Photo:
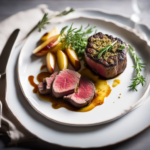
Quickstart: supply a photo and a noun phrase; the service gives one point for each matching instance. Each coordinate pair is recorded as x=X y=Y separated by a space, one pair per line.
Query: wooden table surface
x=122 y=7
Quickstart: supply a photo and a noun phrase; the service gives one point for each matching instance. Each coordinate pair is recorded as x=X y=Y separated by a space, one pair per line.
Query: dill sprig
x=106 y=49
x=138 y=79
x=76 y=38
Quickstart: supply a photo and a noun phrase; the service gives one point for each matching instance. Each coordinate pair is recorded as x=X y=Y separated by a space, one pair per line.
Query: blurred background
x=140 y=8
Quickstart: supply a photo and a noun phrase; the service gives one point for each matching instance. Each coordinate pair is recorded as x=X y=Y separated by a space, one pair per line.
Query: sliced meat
x=110 y=66
x=65 y=83
x=45 y=87
x=42 y=88
x=49 y=81
x=84 y=95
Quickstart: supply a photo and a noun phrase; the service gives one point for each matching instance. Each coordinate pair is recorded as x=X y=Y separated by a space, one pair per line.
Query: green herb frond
x=138 y=79
x=43 y=22
x=76 y=38
x=106 y=49
x=65 y=12
x=122 y=46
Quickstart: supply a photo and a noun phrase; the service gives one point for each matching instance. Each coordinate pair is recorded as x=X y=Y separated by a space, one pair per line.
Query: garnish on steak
x=106 y=55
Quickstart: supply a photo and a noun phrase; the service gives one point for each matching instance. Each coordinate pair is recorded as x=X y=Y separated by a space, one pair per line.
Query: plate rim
x=89 y=124
x=109 y=13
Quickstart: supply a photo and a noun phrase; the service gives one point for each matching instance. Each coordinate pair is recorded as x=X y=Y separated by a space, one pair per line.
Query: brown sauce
x=42 y=75
x=43 y=67
x=57 y=102
x=31 y=80
x=102 y=90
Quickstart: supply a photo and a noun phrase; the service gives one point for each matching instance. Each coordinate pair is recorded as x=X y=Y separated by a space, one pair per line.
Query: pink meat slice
x=84 y=94
x=45 y=87
x=65 y=83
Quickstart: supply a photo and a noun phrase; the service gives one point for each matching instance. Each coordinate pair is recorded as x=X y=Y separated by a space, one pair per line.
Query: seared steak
x=83 y=95
x=65 y=83
x=110 y=64
x=45 y=87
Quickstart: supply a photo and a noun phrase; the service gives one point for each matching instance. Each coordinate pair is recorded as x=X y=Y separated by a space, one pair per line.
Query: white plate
x=114 y=132
x=69 y=136
x=113 y=107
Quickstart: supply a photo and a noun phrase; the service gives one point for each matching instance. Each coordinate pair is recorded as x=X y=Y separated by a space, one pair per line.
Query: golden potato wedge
x=56 y=48
x=59 y=46
x=46 y=46
x=62 y=60
x=46 y=36
x=50 y=62
x=73 y=58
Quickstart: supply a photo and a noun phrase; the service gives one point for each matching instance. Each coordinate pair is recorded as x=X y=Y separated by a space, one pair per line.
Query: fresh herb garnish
x=138 y=79
x=122 y=46
x=106 y=49
x=65 y=12
x=76 y=38
x=45 y=20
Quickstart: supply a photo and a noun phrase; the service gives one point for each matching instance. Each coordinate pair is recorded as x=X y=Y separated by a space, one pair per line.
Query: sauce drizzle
x=31 y=81
x=42 y=75
x=43 y=67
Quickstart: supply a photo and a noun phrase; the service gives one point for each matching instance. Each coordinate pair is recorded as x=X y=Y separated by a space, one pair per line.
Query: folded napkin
x=25 y=21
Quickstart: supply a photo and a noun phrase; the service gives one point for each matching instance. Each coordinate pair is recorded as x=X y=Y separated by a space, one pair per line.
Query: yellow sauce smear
x=102 y=90
x=115 y=82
